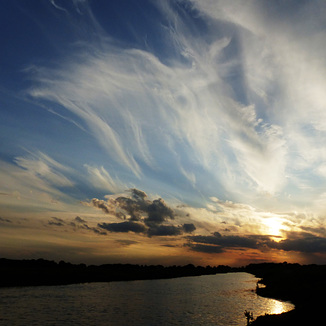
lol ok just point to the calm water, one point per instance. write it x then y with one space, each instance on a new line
206 300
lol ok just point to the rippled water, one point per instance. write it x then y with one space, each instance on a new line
206 300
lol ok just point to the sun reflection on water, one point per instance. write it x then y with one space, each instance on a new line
277 307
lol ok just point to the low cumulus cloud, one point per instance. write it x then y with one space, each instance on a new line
78 219
188 227
158 212
5 220
141 215
56 221
164 230
103 205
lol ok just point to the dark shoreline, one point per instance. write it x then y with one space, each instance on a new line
302 285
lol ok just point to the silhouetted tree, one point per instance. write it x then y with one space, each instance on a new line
249 315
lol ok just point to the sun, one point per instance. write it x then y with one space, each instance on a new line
274 226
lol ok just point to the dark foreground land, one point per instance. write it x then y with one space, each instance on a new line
304 286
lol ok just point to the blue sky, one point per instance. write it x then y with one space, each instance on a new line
216 107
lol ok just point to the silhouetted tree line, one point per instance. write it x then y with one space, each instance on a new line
44 272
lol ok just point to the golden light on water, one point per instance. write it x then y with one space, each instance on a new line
277 307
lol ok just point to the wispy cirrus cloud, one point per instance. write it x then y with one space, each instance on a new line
100 178
182 112
26 187
36 183
281 50
42 166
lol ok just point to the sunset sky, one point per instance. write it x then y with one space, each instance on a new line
163 132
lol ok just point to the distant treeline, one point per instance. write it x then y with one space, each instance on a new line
44 272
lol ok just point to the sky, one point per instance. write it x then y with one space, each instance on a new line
163 132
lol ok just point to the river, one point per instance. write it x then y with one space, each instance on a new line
217 300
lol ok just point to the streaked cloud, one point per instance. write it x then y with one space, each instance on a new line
27 187
101 178
121 93
42 166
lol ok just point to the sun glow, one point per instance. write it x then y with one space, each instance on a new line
274 226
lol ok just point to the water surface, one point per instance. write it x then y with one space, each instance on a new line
206 300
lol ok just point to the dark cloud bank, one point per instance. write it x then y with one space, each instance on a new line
296 241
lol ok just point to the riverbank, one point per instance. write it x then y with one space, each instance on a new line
304 286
